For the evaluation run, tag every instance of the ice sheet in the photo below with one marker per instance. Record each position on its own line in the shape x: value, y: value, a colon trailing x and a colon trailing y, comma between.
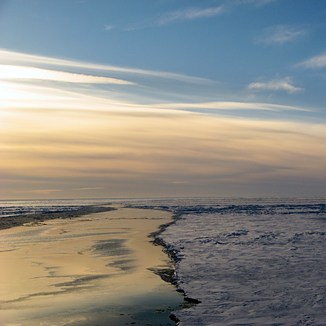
x: 258, y: 263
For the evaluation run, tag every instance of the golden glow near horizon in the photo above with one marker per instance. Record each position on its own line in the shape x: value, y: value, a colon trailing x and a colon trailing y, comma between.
x: 57, y: 140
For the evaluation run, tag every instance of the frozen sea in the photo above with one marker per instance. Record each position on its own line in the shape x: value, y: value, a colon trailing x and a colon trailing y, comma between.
x: 248, y: 261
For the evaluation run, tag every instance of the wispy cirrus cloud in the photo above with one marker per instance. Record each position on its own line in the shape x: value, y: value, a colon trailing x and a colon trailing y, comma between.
x: 194, y: 13
x: 256, y: 3
x: 281, y: 34
x: 36, y: 82
x: 11, y: 72
x: 231, y: 105
x: 284, y: 84
x: 32, y: 81
x: 316, y: 62
x: 189, y: 14
x: 108, y: 28
x: 8, y: 57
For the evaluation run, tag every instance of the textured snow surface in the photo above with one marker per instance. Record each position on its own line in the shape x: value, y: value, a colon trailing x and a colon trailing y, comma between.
x: 251, y: 264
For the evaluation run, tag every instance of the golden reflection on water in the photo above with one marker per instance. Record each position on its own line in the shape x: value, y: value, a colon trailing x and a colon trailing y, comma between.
x: 72, y: 272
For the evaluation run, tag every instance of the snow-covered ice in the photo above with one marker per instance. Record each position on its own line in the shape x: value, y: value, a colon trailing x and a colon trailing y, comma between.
x: 260, y: 263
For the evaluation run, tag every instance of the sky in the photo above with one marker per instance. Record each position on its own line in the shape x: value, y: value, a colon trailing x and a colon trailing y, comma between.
x: 172, y: 98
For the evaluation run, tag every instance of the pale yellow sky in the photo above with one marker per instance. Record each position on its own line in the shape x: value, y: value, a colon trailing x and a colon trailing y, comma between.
x: 59, y: 140
x: 56, y: 153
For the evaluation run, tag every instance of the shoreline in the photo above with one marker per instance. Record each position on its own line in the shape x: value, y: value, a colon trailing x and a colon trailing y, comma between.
x: 125, y: 249
x: 169, y: 274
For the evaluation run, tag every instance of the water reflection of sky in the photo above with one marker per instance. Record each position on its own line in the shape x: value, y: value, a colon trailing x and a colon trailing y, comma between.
x: 59, y: 273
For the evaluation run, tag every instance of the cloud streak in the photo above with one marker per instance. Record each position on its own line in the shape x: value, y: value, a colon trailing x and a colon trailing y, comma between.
x: 10, y: 72
x: 189, y: 14
x: 199, y: 13
x: 230, y: 105
x: 31, y: 81
x: 194, y: 13
x: 23, y: 59
x: 256, y: 3
x: 108, y: 28
x: 281, y: 34
x: 316, y: 62
x: 36, y: 82
x: 275, y: 85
